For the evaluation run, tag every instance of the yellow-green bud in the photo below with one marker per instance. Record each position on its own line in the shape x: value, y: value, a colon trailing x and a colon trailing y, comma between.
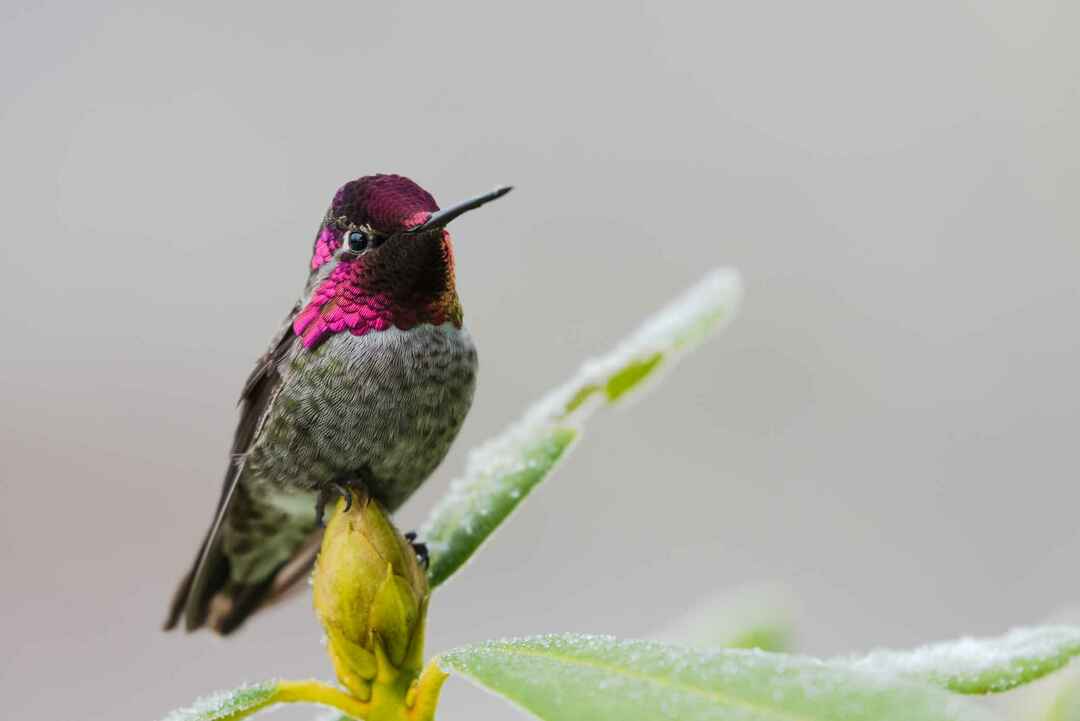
x: 371, y: 598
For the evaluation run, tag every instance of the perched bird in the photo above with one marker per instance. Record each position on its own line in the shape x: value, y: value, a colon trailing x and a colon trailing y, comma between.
x: 366, y: 384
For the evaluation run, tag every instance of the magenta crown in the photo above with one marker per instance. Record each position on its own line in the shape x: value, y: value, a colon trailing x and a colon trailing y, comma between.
x: 387, y: 203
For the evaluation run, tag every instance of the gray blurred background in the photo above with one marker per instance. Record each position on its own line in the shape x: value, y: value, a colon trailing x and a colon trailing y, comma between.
x: 889, y: 427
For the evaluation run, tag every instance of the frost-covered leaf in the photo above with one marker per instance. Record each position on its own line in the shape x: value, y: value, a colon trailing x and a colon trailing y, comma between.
x: 657, y: 343
x: 593, y: 678
x: 980, y: 665
x: 457, y: 530
x: 752, y: 617
x: 500, y: 473
x: 225, y: 704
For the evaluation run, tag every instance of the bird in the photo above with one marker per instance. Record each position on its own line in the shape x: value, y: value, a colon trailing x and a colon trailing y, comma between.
x: 364, y: 387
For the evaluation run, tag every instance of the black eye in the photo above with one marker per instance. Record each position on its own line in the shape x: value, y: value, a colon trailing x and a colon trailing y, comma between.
x: 358, y: 240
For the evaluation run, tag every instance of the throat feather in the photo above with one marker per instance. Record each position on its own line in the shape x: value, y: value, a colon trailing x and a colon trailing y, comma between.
x: 363, y: 298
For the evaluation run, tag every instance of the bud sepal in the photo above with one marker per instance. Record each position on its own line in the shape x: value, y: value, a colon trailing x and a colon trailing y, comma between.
x: 371, y: 597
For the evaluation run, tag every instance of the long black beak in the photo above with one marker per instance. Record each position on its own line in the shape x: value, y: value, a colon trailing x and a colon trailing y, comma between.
x: 440, y: 218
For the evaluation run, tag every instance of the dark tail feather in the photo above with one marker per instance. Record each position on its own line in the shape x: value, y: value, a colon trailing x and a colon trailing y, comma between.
x: 222, y: 605
x: 230, y: 608
x: 176, y: 606
x: 180, y: 596
x: 210, y: 573
x: 193, y: 603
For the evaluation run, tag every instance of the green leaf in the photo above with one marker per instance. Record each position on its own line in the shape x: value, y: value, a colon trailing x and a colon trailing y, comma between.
x: 243, y: 702
x: 752, y: 617
x: 978, y: 666
x: 476, y: 510
x: 631, y: 375
x: 501, y: 472
x: 226, y: 704
x: 593, y: 678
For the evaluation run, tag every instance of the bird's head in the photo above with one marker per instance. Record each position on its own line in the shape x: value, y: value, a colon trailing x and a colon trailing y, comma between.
x: 383, y: 258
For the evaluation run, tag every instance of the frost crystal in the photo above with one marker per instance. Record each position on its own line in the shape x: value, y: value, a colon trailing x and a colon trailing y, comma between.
x: 223, y: 704
x: 980, y: 665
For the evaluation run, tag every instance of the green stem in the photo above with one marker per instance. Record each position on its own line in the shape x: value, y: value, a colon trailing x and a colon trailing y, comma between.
x: 392, y: 698
x: 309, y: 692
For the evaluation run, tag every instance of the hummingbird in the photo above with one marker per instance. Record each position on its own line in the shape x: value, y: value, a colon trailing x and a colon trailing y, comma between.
x: 365, y: 385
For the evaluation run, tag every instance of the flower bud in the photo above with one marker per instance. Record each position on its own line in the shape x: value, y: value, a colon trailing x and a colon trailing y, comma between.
x: 371, y: 598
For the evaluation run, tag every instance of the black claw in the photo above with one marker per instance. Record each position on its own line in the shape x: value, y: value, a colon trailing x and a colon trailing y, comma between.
x: 331, y: 491
x: 420, y: 549
x: 347, y: 494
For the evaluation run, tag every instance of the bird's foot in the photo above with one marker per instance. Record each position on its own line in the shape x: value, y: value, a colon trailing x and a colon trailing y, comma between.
x: 419, y: 548
x: 331, y: 492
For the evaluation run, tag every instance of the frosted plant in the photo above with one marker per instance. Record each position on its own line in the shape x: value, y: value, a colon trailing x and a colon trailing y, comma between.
x: 723, y: 662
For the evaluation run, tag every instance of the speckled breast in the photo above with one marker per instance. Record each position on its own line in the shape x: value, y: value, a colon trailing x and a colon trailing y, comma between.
x: 384, y: 407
